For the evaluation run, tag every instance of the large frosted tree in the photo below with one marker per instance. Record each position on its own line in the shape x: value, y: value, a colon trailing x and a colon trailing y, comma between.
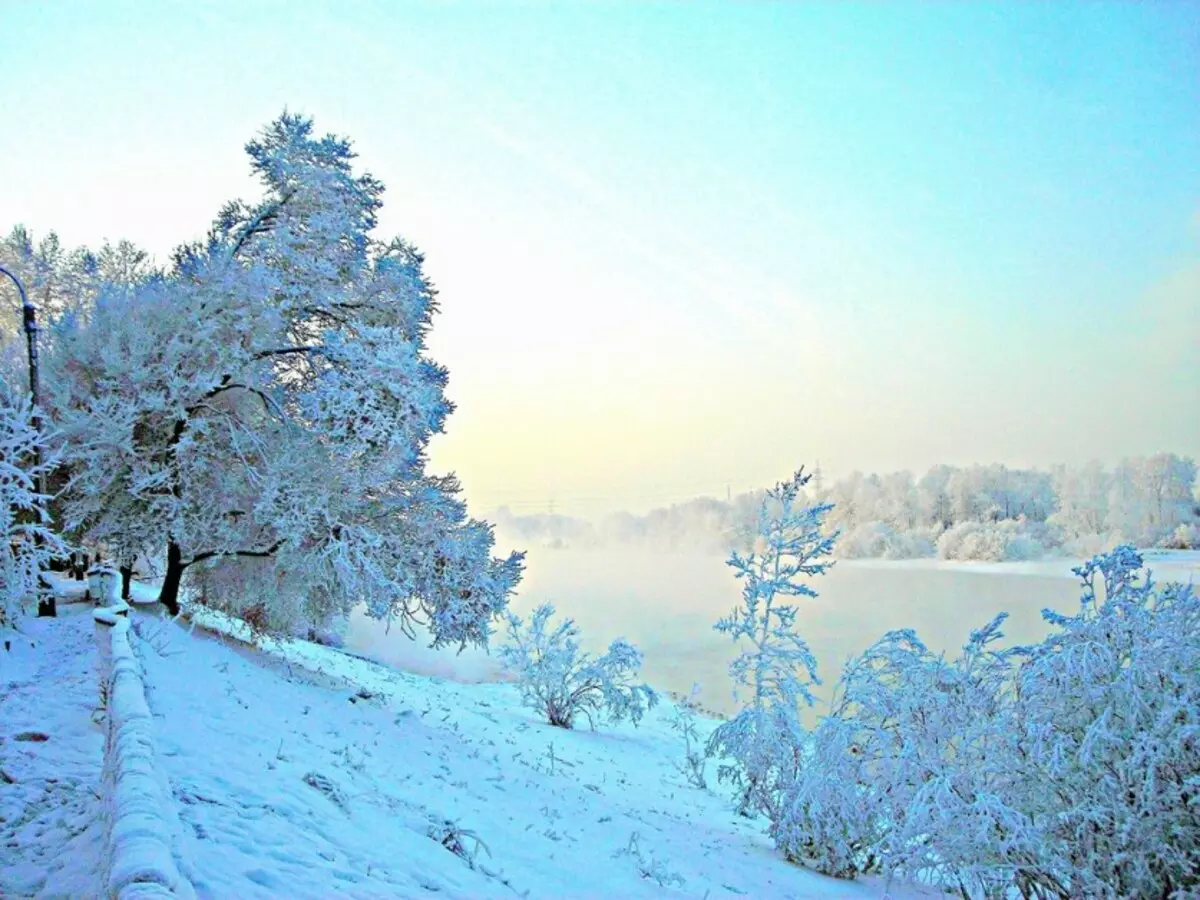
x: 263, y: 409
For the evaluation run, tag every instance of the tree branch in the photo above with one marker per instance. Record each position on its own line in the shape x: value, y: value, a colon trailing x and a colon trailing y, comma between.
x: 261, y: 223
x: 283, y: 351
x: 258, y: 554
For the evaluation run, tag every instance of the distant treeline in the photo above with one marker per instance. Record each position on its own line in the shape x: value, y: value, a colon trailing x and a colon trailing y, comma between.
x: 984, y: 512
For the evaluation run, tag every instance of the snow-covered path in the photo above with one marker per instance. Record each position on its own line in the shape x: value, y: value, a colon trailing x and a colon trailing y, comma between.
x: 326, y: 775
x: 51, y: 754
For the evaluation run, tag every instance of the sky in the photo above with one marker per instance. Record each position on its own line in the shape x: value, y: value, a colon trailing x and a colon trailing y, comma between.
x: 682, y: 248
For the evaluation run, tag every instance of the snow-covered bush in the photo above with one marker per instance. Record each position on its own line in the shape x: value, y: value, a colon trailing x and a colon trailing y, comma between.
x: 911, y: 770
x: 1110, y: 731
x: 763, y: 742
x: 1066, y: 769
x: 972, y: 541
x: 1008, y: 540
x: 878, y: 540
x: 558, y: 679
x: 28, y: 542
x: 830, y: 818
x: 1184, y: 537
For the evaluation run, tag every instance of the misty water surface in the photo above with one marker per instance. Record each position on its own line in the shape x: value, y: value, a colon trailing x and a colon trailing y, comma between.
x: 666, y: 604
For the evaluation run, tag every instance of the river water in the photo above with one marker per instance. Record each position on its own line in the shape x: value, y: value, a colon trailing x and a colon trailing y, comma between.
x: 667, y: 603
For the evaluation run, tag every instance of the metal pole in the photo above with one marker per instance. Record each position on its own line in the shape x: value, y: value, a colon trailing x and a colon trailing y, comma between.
x: 29, y: 318
x: 29, y: 315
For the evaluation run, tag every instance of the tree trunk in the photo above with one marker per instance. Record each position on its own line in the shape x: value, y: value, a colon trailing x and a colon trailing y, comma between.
x: 169, y: 595
x: 126, y: 580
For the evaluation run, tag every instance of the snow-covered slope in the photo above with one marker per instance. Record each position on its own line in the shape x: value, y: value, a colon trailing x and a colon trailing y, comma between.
x: 300, y: 771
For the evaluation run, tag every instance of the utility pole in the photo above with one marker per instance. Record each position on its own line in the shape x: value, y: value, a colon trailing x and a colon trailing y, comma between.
x: 48, y: 607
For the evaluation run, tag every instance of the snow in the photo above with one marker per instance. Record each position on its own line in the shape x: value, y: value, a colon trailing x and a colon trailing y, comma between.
x: 316, y: 773
x: 143, y: 594
x: 142, y: 830
x: 293, y: 769
x: 111, y: 615
x: 1167, y: 565
x: 51, y: 829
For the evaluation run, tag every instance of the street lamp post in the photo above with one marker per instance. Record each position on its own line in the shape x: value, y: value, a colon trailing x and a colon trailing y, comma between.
x: 29, y: 318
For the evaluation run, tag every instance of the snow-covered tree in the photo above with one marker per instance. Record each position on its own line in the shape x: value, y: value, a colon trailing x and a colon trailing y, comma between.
x: 1031, y: 495
x: 29, y: 543
x: 57, y: 280
x: 763, y: 742
x: 898, y: 501
x: 561, y: 681
x: 933, y: 496
x: 1081, y: 497
x: 266, y: 405
x: 1151, y: 496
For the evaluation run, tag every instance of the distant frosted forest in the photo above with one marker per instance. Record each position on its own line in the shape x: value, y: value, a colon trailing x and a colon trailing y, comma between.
x: 981, y: 512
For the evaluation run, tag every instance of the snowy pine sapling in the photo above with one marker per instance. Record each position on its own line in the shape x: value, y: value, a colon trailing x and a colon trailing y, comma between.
x: 28, y: 542
x: 561, y: 681
x: 764, y: 741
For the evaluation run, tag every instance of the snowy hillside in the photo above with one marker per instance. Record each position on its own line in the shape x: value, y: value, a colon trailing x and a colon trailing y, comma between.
x: 301, y: 771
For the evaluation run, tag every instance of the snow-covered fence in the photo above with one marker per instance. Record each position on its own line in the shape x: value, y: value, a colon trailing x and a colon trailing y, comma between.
x: 139, y: 859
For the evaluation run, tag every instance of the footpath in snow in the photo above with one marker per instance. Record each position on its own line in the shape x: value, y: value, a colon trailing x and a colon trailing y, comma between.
x: 51, y: 754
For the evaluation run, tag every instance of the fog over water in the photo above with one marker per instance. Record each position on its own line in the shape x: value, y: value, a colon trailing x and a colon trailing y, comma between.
x: 667, y: 602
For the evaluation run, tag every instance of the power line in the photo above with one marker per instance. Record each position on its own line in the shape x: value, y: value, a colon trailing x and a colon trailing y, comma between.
x: 530, y: 504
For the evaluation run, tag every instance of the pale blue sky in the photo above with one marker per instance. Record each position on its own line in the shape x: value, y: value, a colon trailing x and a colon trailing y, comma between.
x: 688, y: 245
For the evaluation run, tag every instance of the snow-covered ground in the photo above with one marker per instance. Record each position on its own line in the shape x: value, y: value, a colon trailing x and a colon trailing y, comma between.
x: 51, y: 752
x: 301, y: 771
x: 1167, y: 565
